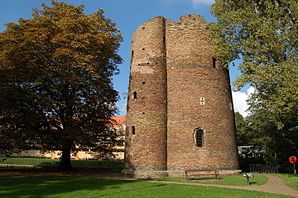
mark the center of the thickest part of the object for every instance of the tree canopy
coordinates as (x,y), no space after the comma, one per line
(55,80)
(264,36)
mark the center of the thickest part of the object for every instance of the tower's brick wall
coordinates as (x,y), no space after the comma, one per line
(172,69)
(191,75)
(146,149)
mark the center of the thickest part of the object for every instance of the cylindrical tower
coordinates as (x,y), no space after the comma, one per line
(145,147)
(200,117)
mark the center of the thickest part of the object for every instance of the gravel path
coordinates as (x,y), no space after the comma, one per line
(273,185)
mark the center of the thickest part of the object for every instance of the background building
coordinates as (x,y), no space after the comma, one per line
(118,124)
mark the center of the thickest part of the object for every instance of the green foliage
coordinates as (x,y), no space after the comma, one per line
(243,134)
(259,129)
(278,144)
(50,186)
(55,80)
(263,34)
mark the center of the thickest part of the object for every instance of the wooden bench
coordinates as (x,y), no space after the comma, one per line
(189,174)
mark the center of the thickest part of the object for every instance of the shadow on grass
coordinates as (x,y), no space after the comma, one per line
(75,186)
(48,164)
(41,186)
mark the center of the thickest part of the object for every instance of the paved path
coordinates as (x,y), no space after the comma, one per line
(273,185)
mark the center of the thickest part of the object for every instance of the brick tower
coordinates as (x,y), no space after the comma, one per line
(180,113)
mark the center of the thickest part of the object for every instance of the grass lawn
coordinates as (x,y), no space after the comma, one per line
(37,162)
(237,180)
(291,180)
(54,186)
(45,162)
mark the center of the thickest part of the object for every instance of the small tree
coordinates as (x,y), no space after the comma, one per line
(55,81)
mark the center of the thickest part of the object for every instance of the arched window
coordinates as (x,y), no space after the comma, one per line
(199,137)
(133,130)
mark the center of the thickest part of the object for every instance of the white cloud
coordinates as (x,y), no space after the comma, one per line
(240,101)
(251,90)
(203,2)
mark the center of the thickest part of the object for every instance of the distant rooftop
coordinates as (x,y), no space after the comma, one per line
(117,121)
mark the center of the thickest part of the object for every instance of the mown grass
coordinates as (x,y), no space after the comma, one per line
(237,180)
(290,179)
(69,187)
(45,162)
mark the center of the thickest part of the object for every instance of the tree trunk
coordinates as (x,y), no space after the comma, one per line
(65,162)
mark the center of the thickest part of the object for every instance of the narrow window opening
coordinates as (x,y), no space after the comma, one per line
(143,82)
(143,28)
(134,95)
(131,56)
(133,130)
(163,39)
(202,101)
(214,62)
(143,48)
(199,137)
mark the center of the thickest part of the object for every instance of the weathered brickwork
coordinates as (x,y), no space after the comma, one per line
(175,88)
(146,124)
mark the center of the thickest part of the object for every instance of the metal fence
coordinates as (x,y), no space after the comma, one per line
(264,168)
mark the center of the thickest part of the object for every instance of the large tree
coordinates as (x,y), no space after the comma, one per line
(263,34)
(55,81)
(242,133)
(259,129)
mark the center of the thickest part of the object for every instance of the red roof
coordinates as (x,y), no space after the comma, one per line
(117,121)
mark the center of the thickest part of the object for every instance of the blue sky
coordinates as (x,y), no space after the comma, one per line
(128,14)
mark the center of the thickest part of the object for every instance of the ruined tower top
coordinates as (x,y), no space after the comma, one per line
(188,42)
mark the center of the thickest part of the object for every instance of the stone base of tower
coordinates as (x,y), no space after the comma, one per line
(181,173)
(146,174)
